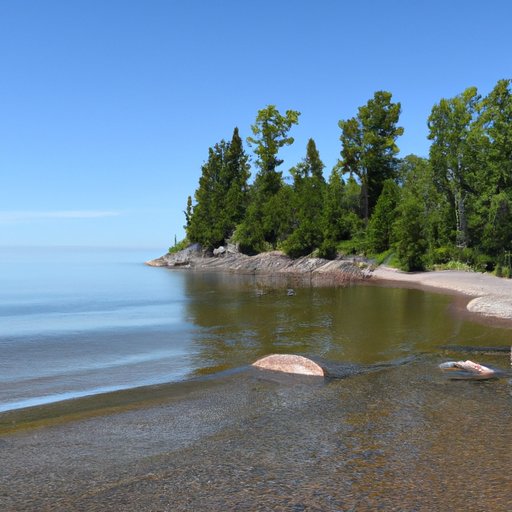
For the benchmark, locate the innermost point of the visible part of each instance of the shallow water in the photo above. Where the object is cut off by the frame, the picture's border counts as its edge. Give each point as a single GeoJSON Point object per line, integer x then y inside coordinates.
{"type": "Point", "coordinates": [396, 437]}
{"type": "Point", "coordinates": [400, 438]}
{"type": "Point", "coordinates": [79, 322]}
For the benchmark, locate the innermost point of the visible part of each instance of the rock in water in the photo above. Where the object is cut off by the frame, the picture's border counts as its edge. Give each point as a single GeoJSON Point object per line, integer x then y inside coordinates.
{"type": "Point", "coordinates": [468, 370]}
{"type": "Point", "coordinates": [289, 363]}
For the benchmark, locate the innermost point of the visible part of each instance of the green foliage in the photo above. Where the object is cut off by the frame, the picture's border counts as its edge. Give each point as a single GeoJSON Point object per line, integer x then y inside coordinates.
{"type": "Point", "coordinates": [269, 216]}
{"type": "Point", "coordinates": [339, 223]}
{"type": "Point", "coordinates": [410, 234]}
{"type": "Point", "coordinates": [270, 134]}
{"type": "Point", "coordinates": [496, 124]}
{"type": "Point", "coordinates": [179, 246]}
{"type": "Point", "coordinates": [380, 228]}
{"type": "Point", "coordinates": [441, 255]}
{"type": "Point", "coordinates": [452, 210]}
{"type": "Point", "coordinates": [309, 190]}
{"type": "Point", "coordinates": [462, 258]}
{"type": "Point", "coordinates": [249, 234]}
{"type": "Point", "coordinates": [327, 250]}
{"type": "Point", "coordinates": [455, 136]}
{"type": "Point", "coordinates": [353, 246]}
{"type": "Point", "coordinates": [188, 213]}
{"type": "Point", "coordinates": [496, 234]}
{"type": "Point", "coordinates": [454, 265]}
{"type": "Point", "coordinates": [266, 224]}
{"type": "Point", "coordinates": [234, 178]}
{"type": "Point", "coordinates": [369, 146]}
{"type": "Point", "coordinates": [222, 195]}
{"type": "Point", "coordinates": [204, 226]}
{"type": "Point", "coordinates": [278, 216]}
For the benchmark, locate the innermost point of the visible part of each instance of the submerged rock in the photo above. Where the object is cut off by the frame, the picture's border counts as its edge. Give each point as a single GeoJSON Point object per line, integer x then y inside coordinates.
{"type": "Point", "coordinates": [469, 370]}
{"type": "Point", "coordinates": [289, 363]}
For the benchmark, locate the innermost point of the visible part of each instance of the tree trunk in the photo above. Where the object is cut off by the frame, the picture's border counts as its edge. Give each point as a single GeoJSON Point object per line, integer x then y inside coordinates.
{"type": "Point", "coordinates": [364, 200]}
{"type": "Point", "coordinates": [462, 222]}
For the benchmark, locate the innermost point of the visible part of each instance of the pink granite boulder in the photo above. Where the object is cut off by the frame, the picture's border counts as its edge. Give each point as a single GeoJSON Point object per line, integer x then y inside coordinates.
{"type": "Point", "coordinates": [289, 363]}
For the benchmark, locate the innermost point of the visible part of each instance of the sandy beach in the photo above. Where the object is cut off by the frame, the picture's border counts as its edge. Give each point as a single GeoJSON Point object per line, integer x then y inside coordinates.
{"type": "Point", "coordinates": [490, 296]}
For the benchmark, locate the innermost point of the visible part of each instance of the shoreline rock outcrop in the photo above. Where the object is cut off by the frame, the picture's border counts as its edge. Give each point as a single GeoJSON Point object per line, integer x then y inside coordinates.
{"type": "Point", "coordinates": [318, 270]}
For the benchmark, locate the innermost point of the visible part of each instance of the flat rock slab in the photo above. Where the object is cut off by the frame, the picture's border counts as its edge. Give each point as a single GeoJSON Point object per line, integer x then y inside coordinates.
{"type": "Point", "coordinates": [289, 363]}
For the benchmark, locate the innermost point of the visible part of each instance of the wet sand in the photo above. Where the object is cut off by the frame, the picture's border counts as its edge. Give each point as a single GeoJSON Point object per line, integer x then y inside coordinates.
{"type": "Point", "coordinates": [490, 296]}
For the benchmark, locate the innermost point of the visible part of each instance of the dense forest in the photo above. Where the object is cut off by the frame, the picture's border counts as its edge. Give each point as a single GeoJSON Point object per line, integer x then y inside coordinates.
{"type": "Point", "coordinates": [453, 209]}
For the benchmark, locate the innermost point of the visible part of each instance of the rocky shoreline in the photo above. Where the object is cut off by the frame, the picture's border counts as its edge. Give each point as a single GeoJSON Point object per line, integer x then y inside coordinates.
{"type": "Point", "coordinates": [275, 263]}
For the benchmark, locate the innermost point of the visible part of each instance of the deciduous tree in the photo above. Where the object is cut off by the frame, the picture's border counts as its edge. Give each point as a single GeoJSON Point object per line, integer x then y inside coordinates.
{"type": "Point", "coordinates": [453, 153]}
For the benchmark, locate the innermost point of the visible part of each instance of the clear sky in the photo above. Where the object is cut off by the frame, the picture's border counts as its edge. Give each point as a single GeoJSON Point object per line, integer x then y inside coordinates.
{"type": "Point", "coordinates": [108, 107]}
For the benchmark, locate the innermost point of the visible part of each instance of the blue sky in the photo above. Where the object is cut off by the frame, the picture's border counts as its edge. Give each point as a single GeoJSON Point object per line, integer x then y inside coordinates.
{"type": "Point", "coordinates": [107, 108]}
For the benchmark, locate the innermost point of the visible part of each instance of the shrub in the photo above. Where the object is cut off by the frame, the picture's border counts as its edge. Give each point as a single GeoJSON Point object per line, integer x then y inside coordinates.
{"type": "Point", "coordinates": [327, 250]}
{"type": "Point", "coordinates": [441, 255]}
{"type": "Point", "coordinates": [179, 246]}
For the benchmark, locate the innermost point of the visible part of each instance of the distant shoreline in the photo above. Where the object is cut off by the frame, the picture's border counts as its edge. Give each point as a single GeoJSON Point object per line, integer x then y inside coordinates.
{"type": "Point", "coordinates": [489, 297]}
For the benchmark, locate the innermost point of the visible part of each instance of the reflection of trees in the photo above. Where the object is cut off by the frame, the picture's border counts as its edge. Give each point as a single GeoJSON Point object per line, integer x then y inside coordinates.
{"type": "Point", "coordinates": [243, 318]}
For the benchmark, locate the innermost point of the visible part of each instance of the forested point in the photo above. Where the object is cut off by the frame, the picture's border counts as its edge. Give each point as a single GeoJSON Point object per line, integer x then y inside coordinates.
{"type": "Point", "coordinates": [450, 210]}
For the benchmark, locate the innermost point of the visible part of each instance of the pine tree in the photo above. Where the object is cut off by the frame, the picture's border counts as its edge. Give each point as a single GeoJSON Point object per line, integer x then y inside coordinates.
{"type": "Point", "coordinates": [262, 228]}
{"type": "Point", "coordinates": [308, 199]}
{"type": "Point", "coordinates": [416, 175]}
{"type": "Point", "coordinates": [410, 233]}
{"type": "Point", "coordinates": [339, 218]}
{"type": "Point", "coordinates": [234, 186]}
{"type": "Point", "coordinates": [222, 195]}
{"type": "Point", "coordinates": [369, 147]}
{"type": "Point", "coordinates": [380, 228]}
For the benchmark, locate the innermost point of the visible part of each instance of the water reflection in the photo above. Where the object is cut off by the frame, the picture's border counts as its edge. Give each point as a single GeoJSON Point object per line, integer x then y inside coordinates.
{"type": "Point", "coordinates": [243, 318]}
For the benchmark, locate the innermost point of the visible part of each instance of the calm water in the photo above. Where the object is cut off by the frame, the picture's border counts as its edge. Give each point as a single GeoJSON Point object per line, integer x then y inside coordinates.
{"type": "Point", "coordinates": [78, 322]}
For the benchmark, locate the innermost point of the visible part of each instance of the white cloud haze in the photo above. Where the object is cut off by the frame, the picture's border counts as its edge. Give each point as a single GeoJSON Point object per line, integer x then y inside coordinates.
{"type": "Point", "coordinates": [7, 217]}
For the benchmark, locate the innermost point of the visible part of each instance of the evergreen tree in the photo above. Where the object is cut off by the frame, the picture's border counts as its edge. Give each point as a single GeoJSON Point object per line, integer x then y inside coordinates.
{"type": "Point", "coordinates": [188, 213]}
{"type": "Point", "coordinates": [308, 199]}
{"type": "Point", "coordinates": [369, 146]}
{"type": "Point", "coordinates": [221, 198]}
{"type": "Point", "coordinates": [261, 228]}
{"type": "Point", "coordinates": [339, 218]}
{"type": "Point", "coordinates": [380, 228]}
{"type": "Point", "coordinates": [270, 134]}
{"type": "Point", "coordinates": [234, 188]}
{"type": "Point", "coordinates": [417, 180]}
{"type": "Point", "coordinates": [410, 233]}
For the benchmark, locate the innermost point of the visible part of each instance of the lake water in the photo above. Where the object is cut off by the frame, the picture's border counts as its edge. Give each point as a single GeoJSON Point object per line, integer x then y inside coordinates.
{"type": "Point", "coordinates": [76, 322]}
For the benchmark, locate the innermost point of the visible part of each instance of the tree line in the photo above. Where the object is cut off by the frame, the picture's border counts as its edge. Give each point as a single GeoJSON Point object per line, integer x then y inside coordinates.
{"type": "Point", "coordinates": [454, 206]}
